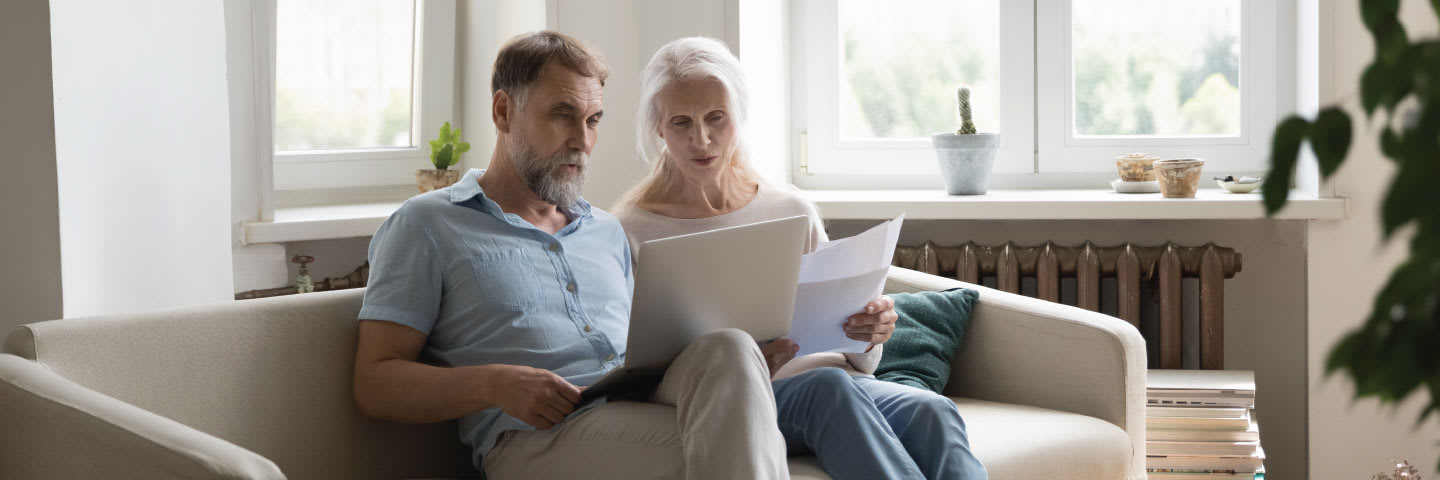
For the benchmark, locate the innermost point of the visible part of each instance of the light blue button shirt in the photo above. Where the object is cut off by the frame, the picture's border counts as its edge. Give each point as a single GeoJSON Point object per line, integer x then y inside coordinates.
{"type": "Point", "coordinates": [487, 287]}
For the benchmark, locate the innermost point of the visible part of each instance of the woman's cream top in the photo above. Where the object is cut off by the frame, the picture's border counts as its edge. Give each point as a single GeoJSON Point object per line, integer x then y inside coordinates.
{"type": "Point", "coordinates": [770, 203]}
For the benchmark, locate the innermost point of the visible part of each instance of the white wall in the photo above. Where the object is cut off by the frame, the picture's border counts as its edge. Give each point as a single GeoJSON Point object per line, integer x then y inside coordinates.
{"type": "Point", "coordinates": [616, 28]}
{"type": "Point", "coordinates": [485, 25]}
{"type": "Point", "coordinates": [142, 153]}
{"type": "Point", "coordinates": [1347, 265]}
{"type": "Point", "coordinates": [29, 201]}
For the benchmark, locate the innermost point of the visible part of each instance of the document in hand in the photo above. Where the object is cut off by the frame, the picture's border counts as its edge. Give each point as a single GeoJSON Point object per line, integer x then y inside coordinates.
{"type": "Point", "coordinates": [836, 281]}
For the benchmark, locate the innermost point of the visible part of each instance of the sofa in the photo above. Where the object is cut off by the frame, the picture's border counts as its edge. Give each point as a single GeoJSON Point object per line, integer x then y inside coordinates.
{"type": "Point", "coordinates": [261, 389]}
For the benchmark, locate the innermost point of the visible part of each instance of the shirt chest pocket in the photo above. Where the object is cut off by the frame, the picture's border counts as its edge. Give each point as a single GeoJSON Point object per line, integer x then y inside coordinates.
{"type": "Point", "coordinates": [508, 279]}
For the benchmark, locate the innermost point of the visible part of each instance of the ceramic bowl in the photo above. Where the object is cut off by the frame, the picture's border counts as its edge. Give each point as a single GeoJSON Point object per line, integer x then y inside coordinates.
{"type": "Point", "coordinates": [1179, 177]}
{"type": "Point", "coordinates": [1237, 187]}
{"type": "Point", "coordinates": [1136, 167]}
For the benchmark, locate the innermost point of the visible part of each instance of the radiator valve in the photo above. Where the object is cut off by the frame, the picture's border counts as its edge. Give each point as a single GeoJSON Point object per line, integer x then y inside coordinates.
{"type": "Point", "coordinates": [302, 281]}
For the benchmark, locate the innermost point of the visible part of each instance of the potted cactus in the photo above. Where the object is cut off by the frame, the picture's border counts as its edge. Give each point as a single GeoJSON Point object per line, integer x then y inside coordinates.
{"type": "Point", "coordinates": [444, 152]}
{"type": "Point", "coordinates": [966, 157]}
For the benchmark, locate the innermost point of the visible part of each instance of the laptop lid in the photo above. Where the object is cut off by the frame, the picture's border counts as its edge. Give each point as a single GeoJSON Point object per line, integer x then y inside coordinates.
{"type": "Point", "coordinates": [739, 277]}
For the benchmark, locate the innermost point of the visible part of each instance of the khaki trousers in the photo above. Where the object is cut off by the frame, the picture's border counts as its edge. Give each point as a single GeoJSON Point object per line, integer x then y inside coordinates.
{"type": "Point", "coordinates": [712, 417]}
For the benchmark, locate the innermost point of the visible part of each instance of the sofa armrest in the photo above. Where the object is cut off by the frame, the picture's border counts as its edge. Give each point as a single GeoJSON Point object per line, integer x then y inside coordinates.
{"type": "Point", "coordinates": [1026, 351]}
{"type": "Point", "coordinates": [51, 427]}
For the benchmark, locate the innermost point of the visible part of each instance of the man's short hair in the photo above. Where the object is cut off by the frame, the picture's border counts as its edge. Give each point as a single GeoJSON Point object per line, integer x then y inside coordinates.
{"type": "Point", "coordinates": [521, 58]}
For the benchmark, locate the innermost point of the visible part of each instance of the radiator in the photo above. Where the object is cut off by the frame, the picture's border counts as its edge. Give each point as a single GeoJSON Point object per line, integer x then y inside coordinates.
{"type": "Point", "coordinates": [1161, 267]}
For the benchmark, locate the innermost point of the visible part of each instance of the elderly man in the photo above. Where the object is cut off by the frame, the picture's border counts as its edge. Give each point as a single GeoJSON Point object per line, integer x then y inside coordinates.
{"type": "Point", "coordinates": [517, 293]}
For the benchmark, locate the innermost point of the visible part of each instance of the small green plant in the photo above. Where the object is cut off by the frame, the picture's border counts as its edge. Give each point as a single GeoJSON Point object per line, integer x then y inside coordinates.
{"type": "Point", "coordinates": [445, 151]}
{"type": "Point", "coordinates": [967, 127]}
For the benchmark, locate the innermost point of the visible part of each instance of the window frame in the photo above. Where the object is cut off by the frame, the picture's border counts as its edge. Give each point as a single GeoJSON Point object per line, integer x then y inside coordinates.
{"type": "Point", "coordinates": [1059, 151]}
{"type": "Point", "coordinates": [1037, 149]}
{"type": "Point", "coordinates": [432, 104]}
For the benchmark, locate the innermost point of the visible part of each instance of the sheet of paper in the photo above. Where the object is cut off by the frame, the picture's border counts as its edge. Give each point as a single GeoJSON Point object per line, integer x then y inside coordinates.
{"type": "Point", "coordinates": [836, 281]}
{"type": "Point", "coordinates": [848, 257]}
{"type": "Point", "coordinates": [819, 326]}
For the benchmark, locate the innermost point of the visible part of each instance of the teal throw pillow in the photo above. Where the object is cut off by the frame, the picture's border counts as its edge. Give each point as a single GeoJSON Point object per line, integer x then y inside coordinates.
{"type": "Point", "coordinates": [928, 334]}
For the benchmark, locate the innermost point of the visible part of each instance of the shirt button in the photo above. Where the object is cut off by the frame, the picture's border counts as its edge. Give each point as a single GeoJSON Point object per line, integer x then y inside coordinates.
{"type": "Point", "coordinates": [554, 247]}
{"type": "Point", "coordinates": [587, 328]}
{"type": "Point", "coordinates": [609, 357]}
{"type": "Point", "coordinates": [570, 287]}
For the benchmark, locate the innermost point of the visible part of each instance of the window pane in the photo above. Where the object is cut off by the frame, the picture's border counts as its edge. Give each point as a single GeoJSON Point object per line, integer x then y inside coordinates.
{"type": "Point", "coordinates": [1156, 67]}
{"type": "Point", "coordinates": [343, 74]}
{"type": "Point", "coordinates": [901, 66]}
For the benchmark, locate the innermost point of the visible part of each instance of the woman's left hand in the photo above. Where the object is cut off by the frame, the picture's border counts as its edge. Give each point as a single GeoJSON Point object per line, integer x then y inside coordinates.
{"type": "Point", "coordinates": [875, 324]}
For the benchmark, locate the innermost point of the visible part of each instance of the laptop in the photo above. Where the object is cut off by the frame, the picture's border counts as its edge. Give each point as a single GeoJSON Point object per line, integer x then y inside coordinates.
{"type": "Point", "coordinates": [739, 277]}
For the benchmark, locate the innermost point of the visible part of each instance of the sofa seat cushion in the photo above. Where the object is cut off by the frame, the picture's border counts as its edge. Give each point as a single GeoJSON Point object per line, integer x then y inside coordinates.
{"type": "Point", "coordinates": [1020, 442]}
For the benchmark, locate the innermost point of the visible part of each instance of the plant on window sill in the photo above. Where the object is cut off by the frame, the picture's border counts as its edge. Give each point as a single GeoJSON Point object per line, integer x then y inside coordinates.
{"type": "Point", "coordinates": [1393, 353]}
{"type": "Point", "coordinates": [966, 157]}
{"type": "Point", "coordinates": [444, 152]}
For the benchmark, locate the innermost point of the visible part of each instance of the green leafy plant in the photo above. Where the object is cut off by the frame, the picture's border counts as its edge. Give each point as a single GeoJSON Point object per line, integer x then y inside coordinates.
{"type": "Point", "coordinates": [1393, 353]}
{"type": "Point", "coordinates": [445, 151]}
{"type": "Point", "coordinates": [967, 127]}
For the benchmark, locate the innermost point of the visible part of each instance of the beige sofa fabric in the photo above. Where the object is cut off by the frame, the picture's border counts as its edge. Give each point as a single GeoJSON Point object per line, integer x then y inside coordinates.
{"type": "Point", "coordinates": [1023, 351]}
{"type": "Point", "coordinates": [52, 428]}
{"type": "Point", "coordinates": [1021, 442]}
{"type": "Point", "coordinates": [270, 375]}
{"type": "Point", "coordinates": [1016, 441]}
{"type": "Point", "coordinates": [1049, 391]}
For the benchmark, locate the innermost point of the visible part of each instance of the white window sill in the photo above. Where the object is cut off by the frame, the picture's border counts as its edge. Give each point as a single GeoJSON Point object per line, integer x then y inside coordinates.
{"type": "Point", "coordinates": [320, 222]}
{"type": "Point", "coordinates": [360, 220]}
{"type": "Point", "coordinates": [1208, 204]}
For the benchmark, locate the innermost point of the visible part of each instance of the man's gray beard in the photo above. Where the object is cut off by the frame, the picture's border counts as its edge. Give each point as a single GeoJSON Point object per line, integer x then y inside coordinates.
{"type": "Point", "coordinates": [546, 177]}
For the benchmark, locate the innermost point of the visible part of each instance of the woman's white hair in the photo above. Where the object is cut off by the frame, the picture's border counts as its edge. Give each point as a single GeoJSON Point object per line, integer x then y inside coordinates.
{"type": "Point", "coordinates": [686, 59]}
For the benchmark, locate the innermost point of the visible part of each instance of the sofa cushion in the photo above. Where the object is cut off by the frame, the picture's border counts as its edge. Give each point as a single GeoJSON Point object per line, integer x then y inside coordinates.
{"type": "Point", "coordinates": [1020, 442]}
{"type": "Point", "coordinates": [1016, 441]}
{"type": "Point", "coordinates": [928, 334]}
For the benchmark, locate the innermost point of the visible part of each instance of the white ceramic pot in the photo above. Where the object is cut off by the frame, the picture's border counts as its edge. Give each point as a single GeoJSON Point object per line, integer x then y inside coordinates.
{"type": "Point", "coordinates": [966, 161]}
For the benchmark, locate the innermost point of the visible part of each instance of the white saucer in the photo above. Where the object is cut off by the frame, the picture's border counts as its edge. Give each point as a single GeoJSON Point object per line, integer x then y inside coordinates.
{"type": "Point", "coordinates": [1122, 186]}
{"type": "Point", "coordinates": [1237, 187]}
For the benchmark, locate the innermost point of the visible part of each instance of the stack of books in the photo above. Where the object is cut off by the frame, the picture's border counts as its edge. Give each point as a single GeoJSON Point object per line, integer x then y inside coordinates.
{"type": "Point", "coordinates": [1200, 425]}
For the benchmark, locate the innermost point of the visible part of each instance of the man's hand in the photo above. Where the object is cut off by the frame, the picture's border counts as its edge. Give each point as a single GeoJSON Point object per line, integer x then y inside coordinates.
{"type": "Point", "coordinates": [779, 352]}
{"type": "Point", "coordinates": [875, 324]}
{"type": "Point", "coordinates": [535, 396]}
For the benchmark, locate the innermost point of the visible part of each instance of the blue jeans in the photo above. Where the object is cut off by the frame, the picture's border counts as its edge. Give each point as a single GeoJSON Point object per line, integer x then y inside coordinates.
{"type": "Point", "coordinates": [860, 427]}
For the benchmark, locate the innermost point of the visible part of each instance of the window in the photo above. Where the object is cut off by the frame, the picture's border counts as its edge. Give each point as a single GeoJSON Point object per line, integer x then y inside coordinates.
{"type": "Point", "coordinates": [343, 75]}
{"type": "Point", "coordinates": [359, 86]}
{"type": "Point", "coordinates": [870, 88]}
{"type": "Point", "coordinates": [1170, 78]}
{"type": "Point", "coordinates": [889, 90]}
{"type": "Point", "coordinates": [1163, 84]}
{"type": "Point", "coordinates": [1068, 84]}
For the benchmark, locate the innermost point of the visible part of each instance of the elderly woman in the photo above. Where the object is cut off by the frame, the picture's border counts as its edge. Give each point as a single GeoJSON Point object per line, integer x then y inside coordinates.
{"type": "Point", "coordinates": [693, 105]}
